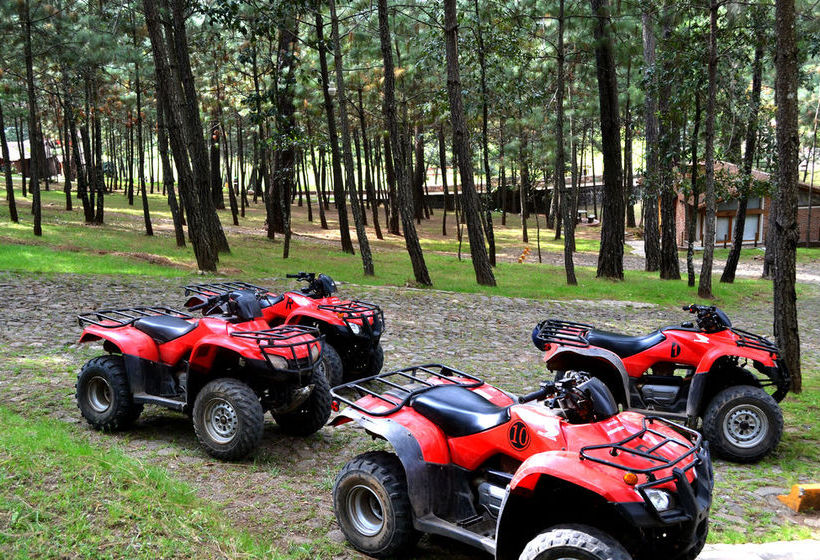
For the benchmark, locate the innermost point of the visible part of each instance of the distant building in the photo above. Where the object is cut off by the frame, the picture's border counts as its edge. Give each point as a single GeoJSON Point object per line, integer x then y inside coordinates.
{"type": "Point", "coordinates": [22, 165]}
{"type": "Point", "coordinates": [757, 210]}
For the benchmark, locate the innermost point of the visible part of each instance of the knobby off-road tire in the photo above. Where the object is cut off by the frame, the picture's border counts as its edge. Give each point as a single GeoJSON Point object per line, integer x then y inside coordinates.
{"type": "Point", "coordinates": [372, 506]}
{"type": "Point", "coordinates": [696, 550]}
{"type": "Point", "coordinates": [228, 419]}
{"type": "Point", "coordinates": [373, 365]}
{"type": "Point", "coordinates": [743, 424]}
{"type": "Point", "coordinates": [578, 542]}
{"type": "Point", "coordinates": [311, 414]}
{"type": "Point", "coordinates": [334, 368]}
{"type": "Point", "coordinates": [104, 395]}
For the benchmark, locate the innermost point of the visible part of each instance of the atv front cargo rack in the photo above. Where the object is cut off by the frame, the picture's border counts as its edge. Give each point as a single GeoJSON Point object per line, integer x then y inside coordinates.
{"type": "Point", "coordinates": [282, 338]}
{"type": "Point", "coordinates": [370, 314]}
{"type": "Point", "coordinates": [220, 288]}
{"type": "Point", "coordinates": [690, 447]}
{"type": "Point", "coordinates": [755, 341]}
{"type": "Point", "coordinates": [114, 318]}
{"type": "Point", "coordinates": [420, 376]}
{"type": "Point", "coordinates": [567, 333]}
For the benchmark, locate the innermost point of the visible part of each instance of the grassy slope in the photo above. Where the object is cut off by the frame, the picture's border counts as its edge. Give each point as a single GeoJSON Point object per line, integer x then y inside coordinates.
{"type": "Point", "coordinates": [58, 493]}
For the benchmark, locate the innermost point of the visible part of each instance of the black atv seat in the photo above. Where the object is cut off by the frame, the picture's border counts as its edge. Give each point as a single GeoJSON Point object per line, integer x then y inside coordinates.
{"type": "Point", "coordinates": [459, 411]}
{"type": "Point", "coordinates": [624, 345]}
{"type": "Point", "coordinates": [164, 329]}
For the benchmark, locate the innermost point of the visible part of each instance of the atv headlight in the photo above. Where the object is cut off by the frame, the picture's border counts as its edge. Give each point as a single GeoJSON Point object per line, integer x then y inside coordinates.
{"type": "Point", "coordinates": [278, 362]}
{"type": "Point", "coordinates": [315, 350]}
{"type": "Point", "coordinates": [661, 499]}
{"type": "Point", "coordinates": [355, 328]}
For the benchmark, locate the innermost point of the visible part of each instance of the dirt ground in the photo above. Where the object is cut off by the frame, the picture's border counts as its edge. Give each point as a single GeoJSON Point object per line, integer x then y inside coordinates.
{"type": "Point", "coordinates": [284, 491]}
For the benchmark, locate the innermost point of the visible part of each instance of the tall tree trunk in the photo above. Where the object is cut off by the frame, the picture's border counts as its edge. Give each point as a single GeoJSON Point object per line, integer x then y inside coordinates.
{"type": "Point", "coordinates": [285, 171]}
{"type": "Point", "coordinates": [611, 255]}
{"type": "Point", "coordinates": [651, 235]}
{"type": "Point", "coordinates": [442, 159]}
{"type": "Point", "coordinates": [502, 179]}
{"type": "Point", "coordinates": [38, 155]}
{"type": "Point", "coordinates": [748, 160]}
{"type": "Point", "coordinates": [705, 284]}
{"type": "Point", "coordinates": [787, 232]}
{"type": "Point", "coordinates": [389, 106]}
{"type": "Point", "coordinates": [668, 147]}
{"type": "Point", "coordinates": [168, 178]}
{"type": "Point", "coordinates": [628, 177]}
{"type": "Point", "coordinates": [335, 157]}
{"type": "Point", "coordinates": [361, 234]}
{"type": "Point", "coordinates": [692, 209]}
{"type": "Point", "coordinates": [368, 180]}
{"type": "Point", "coordinates": [21, 149]}
{"type": "Point", "coordinates": [7, 171]}
{"type": "Point", "coordinates": [169, 95]}
{"type": "Point", "coordinates": [524, 183]}
{"type": "Point", "coordinates": [392, 191]}
{"type": "Point", "coordinates": [488, 179]}
{"type": "Point", "coordinates": [560, 163]}
{"type": "Point", "coordinates": [146, 213]}
{"type": "Point", "coordinates": [193, 129]}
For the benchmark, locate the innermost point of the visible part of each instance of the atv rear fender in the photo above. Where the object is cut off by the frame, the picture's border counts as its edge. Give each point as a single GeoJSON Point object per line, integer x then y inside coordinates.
{"type": "Point", "coordinates": [600, 363]}
{"type": "Point", "coordinates": [126, 340]}
{"type": "Point", "coordinates": [432, 487]}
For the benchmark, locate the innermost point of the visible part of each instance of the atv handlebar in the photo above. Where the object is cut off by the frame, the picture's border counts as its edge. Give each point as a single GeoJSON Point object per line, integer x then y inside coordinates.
{"type": "Point", "coordinates": [547, 389]}
{"type": "Point", "coordinates": [303, 276]}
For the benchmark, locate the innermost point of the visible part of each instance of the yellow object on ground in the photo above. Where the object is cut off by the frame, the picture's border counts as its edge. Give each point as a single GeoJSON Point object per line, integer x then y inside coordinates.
{"type": "Point", "coordinates": [803, 497]}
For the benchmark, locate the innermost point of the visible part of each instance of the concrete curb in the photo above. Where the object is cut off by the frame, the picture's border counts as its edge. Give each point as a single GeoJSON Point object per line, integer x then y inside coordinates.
{"type": "Point", "coordinates": [783, 550]}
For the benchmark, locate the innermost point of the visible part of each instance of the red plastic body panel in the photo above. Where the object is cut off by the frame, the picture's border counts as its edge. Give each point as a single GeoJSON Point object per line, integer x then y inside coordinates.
{"type": "Point", "coordinates": [684, 347]}
{"type": "Point", "coordinates": [295, 306]}
{"type": "Point", "coordinates": [211, 336]}
{"type": "Point", "coordinates": [551, 448]}
{"type": "Point", "coordinates": [128, 339]}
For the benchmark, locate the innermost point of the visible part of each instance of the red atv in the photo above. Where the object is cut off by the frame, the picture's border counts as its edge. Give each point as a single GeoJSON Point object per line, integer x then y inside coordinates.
{"type": "Point", "coordinates": [572, 479]}
{"type": "Point", "coordinates": [352, 329]}
{"type": "Point", "coordinates": [225, 371]}
{"type": "Point", "coordinates": [705, 371]}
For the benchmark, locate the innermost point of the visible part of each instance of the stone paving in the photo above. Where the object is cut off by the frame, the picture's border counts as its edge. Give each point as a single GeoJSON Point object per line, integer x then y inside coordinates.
{"type": "Point", "coordinates": [485, 335]}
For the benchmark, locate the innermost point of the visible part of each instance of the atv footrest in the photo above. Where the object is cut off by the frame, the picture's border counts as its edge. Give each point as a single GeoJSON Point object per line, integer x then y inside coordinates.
{"type": "Point", "coordinates": [113, 318]}
{"type": "Point", "coordinates": [567, 333]}
{"type": "Point", "coordinates": [416, 380]}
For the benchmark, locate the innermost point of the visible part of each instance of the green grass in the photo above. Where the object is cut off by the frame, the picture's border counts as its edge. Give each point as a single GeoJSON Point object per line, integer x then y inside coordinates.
{"type": "Point", "coordinates": [31, 258]}
{"type": "Point", "coordinates": [68, 245]}
{"type": "Point", "coordinates": [58, 494]}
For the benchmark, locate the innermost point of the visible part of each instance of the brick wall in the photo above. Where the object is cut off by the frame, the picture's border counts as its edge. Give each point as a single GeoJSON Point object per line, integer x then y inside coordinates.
{"type": "Point", "coordinates": [803, 223]}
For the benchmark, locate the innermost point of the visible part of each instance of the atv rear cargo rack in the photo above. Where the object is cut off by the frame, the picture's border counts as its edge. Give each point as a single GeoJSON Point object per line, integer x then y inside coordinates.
{"type": "Point", "coordinates": [121, 317]}
{"type": "Point", "coordinates": [691, 448]}
{"type": "Point", "coordinates": [370, 314]}
{"type": "Point", "coordinates": [220, 288]}
{"type": "Point", "coordinates": [281, 338]}
{"type": "Point", "coordinates": [755, 341]}
{"type": "Point", "coordinates": [413, 374]}
{"type": "Point", "coordinates": [567, 333]}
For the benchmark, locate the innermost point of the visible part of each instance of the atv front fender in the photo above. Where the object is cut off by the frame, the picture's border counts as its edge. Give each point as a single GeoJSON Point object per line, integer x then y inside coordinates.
{"type": "Point", "coordinates": [566, 466]}
{"type": "Point", "coordinates": [600, 363]}
{"type": "Point", "coordinates": [302, 316]}
{"type": "Point", "coordinates": [206, 350]}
